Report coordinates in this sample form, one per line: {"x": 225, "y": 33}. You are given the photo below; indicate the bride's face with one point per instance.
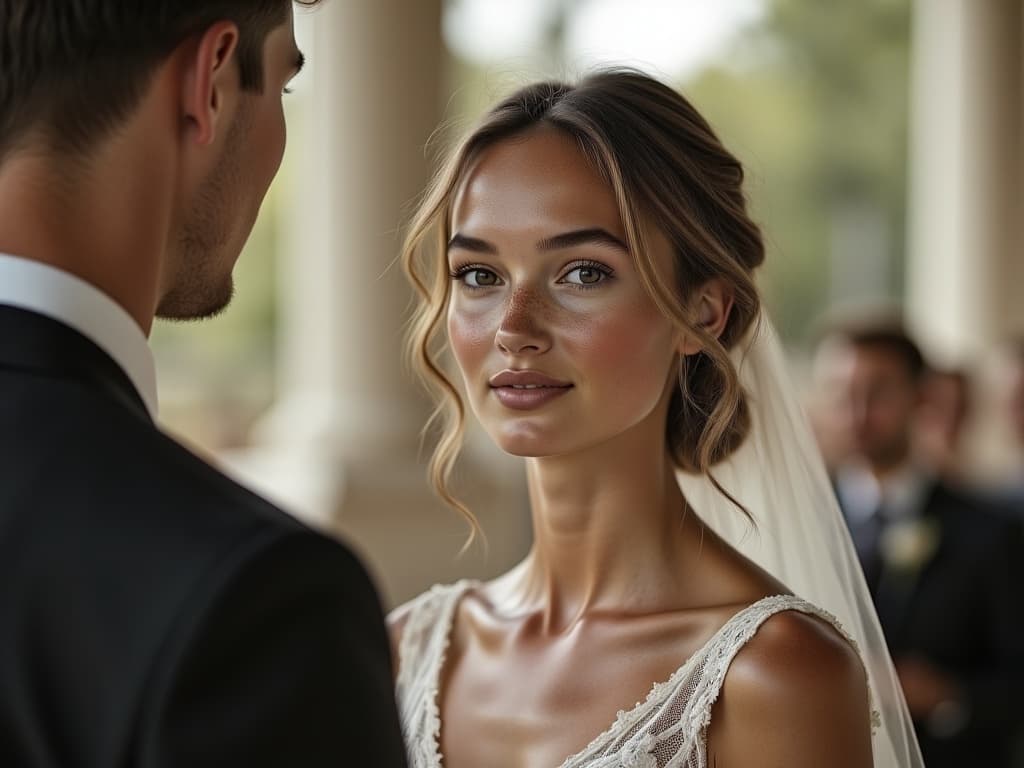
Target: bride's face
{"x": 559, "y": 344}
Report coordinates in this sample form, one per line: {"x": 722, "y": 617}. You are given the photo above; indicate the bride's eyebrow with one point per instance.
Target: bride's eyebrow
{"x": 589, "y": 236}
{"x": 474, "y": 244}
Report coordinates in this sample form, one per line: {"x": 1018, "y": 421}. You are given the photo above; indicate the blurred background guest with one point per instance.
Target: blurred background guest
{"x": 943, "y": 569}
{"x": 942, "y": 418}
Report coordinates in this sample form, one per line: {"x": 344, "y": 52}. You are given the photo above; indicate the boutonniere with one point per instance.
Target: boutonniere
{"x": 907, "y": 545}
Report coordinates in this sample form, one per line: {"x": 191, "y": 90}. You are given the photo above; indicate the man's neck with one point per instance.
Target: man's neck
{"x": 102, "y": 223}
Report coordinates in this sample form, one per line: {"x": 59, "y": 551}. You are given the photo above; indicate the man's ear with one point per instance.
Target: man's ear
{"x": 712, "y": 306}
{"x": 210, "y": 79}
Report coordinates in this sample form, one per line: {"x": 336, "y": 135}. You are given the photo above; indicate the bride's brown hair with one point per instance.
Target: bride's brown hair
{"x": 668, "y": 170}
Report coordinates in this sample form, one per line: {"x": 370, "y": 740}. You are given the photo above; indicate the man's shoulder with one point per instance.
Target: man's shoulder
{"x": 87, "y": 442}
{"x": 179, "y": 476}
{"x": 103, "y": 513}
{"x": 966, "y": 505}
{"x": 77, "y": 465}
{"x": 972, "y": 523}
{"x": 199, "y": 508}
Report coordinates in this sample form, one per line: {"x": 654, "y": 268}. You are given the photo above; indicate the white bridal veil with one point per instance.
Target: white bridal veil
{"x": 800, "y": 535}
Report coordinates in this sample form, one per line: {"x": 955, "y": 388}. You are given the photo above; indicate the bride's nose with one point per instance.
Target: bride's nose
{"x": 522, "y": 327}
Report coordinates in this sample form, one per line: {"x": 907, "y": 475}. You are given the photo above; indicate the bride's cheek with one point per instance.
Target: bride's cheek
{"x": 621, "y": 340}
{"x": 470, "y": 336}
{"x": 625, "y": 358}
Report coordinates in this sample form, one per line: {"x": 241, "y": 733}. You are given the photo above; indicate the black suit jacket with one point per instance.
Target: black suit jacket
{"x": 152, "y": 612}
{"x": 962, "y": 611}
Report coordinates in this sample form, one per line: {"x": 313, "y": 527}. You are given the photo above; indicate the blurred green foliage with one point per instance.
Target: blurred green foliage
{"x": 814, "y": 101}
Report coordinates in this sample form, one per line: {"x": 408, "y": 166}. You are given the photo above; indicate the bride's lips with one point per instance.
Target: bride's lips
{"x": 526, "y": 390}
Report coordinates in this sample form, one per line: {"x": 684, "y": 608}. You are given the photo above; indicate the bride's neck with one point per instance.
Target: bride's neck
{"x": 608, "y": 533}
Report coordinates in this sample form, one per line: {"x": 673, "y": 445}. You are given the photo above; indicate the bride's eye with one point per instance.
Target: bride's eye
{"x": 476, "y": 277}
{"x": 587, "y": 275}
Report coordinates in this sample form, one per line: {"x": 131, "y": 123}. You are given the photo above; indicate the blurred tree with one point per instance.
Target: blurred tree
{"x": 814, "y": 100}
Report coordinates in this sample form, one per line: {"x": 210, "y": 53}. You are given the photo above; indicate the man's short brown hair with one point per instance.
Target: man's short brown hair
{"x": 71, "y": 70}
{"x": 888, "y": 336}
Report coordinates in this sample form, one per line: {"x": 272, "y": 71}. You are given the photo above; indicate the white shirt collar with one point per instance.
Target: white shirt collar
{"x": 900, "y": 496}
{"x": 43, "y": 289}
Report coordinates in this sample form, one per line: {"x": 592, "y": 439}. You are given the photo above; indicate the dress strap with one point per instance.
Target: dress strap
{"x": 426, "y": 632}
{"x": 421, "y": 655}
{"x": 731, "y": 639}
{"x": 668, "y": 729}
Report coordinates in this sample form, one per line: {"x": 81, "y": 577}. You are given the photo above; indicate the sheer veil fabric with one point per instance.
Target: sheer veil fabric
{"x": 799, "y": 535}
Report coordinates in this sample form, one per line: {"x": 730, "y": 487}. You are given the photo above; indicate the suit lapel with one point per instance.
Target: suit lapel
{"x": 35, "y": 343}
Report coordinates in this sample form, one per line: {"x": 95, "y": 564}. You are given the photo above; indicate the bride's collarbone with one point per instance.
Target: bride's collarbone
{"x": 513, "y": 696}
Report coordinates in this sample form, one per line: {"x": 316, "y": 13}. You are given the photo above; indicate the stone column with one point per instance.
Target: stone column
{"x": 964, "y": 260}
{"x": 375, "y": 102}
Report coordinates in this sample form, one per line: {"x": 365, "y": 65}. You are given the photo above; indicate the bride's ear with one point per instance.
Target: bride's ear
{"x": 712, "y": 305}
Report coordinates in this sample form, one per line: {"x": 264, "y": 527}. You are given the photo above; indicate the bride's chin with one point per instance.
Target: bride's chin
{"x": 523, "y": 453}
{"x": 526, "y": 446}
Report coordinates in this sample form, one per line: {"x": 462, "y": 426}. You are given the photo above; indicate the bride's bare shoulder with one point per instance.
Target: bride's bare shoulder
{"x": 796, "y": 695}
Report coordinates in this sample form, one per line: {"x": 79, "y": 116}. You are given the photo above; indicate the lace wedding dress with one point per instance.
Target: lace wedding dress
{"x": 666, "y": 730}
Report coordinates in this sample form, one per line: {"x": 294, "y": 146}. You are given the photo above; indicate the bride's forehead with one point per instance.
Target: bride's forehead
{"x": 543, "y": 153}
{"x": 542, "y": 175}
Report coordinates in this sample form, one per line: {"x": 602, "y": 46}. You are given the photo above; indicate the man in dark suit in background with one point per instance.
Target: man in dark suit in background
{"x": 944, "y": 571}
{"x": 152, "y": 612}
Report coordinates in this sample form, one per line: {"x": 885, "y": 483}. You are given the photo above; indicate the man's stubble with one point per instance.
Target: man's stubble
{"x": 203, "y": 286}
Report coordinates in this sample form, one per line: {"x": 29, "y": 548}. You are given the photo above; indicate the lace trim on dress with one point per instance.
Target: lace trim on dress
{"x": 668, "y": 729}
{"x": 421, "y": 657}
